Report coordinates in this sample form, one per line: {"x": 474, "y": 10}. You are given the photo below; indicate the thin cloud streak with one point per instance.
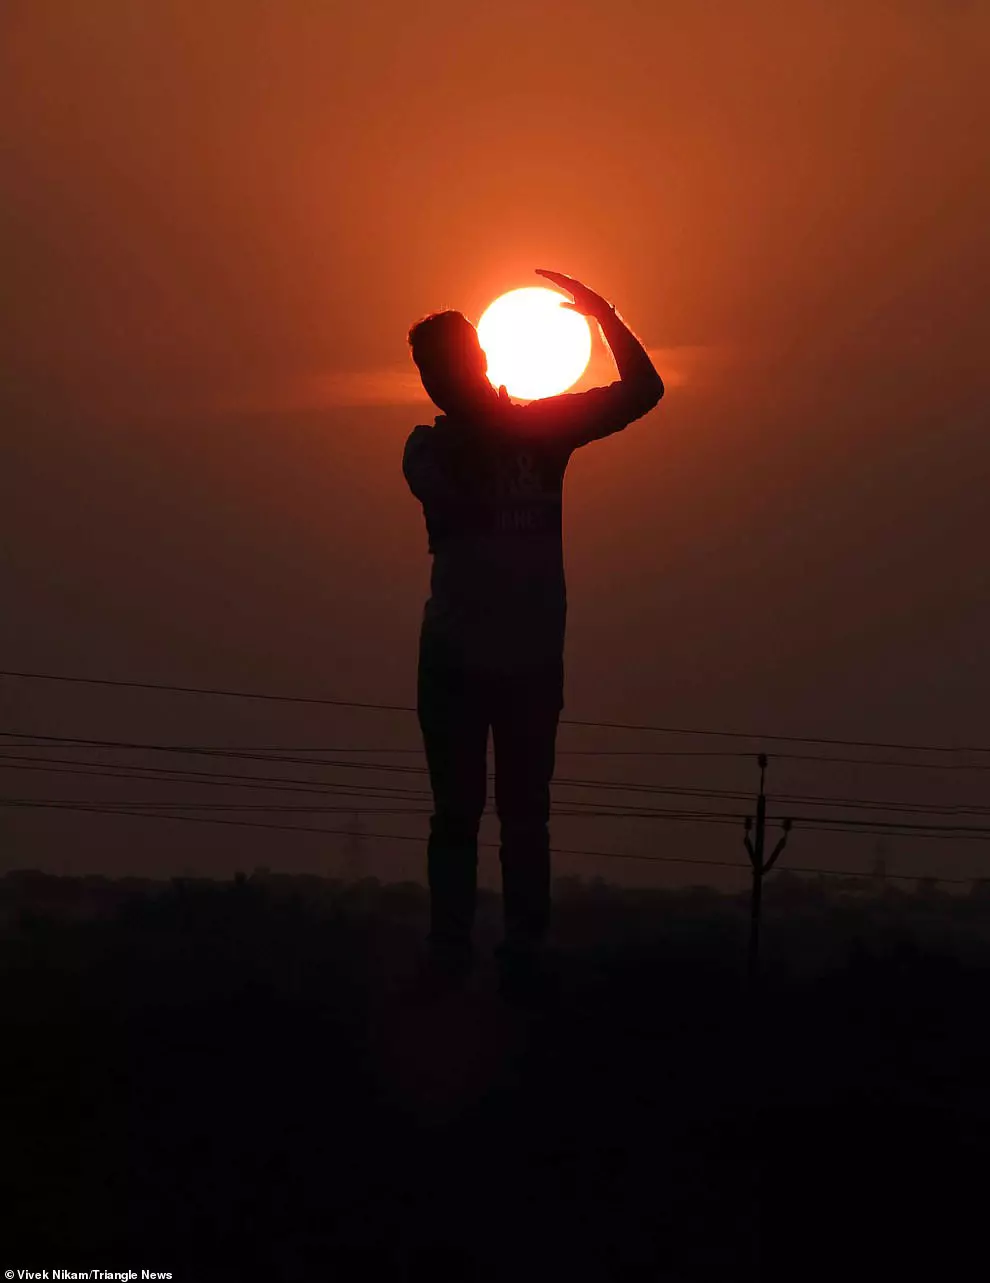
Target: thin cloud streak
{"x": 401, "y": 386}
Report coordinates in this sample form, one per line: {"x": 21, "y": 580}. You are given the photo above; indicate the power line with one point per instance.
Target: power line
{"x": 892, "y": 828}
{"x": 290, "y": 784}
{"x": 280, "y": 754}
{"x": 207, "y": 690}
{"x": 559, "y": 781}
{"x": 239, "y": 754}
{"x": 881, "y": 804}
{"x": 403, "y": 837}
{"x": 115, "y": 771}
{"x": 867, "y": 826}
{"x": 264, "y": 807}
{"x": 350, "y": 809}
{"x": 166, "y": 775}
{"x": 223, "y": 779}
{"x": 581, "y": 809}
{"x": 304, "y": 828}
{"x": 577, "y": 809}
{"x": 564, "y": 721}
{"x": 853, "y": 828}
{"x": 418, "y": 750}
{"x": 269, "y": 783}
{"x": 610, "y": 785}
{"x": 849, "y": 873}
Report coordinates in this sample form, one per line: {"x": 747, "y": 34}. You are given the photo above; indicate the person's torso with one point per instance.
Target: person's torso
{"x": 498, "y": 596}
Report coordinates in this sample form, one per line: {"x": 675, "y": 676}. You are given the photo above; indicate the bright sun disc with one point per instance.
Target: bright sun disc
{"x": 534, "y": 346}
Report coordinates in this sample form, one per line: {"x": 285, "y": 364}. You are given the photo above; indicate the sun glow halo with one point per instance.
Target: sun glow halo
{"x": 534, "y": 346}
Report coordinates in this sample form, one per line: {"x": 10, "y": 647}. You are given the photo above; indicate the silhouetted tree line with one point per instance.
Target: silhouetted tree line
{"x": 188, "y": 1079}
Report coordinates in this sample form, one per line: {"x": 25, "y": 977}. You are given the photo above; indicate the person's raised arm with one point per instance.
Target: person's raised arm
{"x": 579, "y": 417}
{"x": 636, "y": 371}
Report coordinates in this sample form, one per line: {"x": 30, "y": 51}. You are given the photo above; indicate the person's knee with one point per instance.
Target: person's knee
{"x": 456, "y": 826}
{"x": 526, "y": 823}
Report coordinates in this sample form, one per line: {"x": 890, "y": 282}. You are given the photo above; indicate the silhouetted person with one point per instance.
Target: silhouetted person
{"x": 489, "y": 474}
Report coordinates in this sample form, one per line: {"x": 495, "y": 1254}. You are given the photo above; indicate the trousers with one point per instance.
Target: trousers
{"x": 456, "y": 707}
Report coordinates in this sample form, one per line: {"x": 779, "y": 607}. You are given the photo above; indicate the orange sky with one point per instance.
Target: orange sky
{"x": 220, "y": 220}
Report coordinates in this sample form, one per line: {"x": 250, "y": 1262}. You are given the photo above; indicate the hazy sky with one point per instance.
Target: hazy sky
{"x": 220, "y": 219}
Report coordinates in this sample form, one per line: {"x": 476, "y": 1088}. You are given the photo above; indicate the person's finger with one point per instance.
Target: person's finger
{"x": 562, "y": 282}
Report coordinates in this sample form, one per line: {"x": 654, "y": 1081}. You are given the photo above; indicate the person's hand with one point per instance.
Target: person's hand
{"x": 586, "y": 301}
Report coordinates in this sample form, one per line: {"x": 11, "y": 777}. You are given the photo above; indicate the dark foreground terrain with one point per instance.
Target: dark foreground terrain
{"x": 242, "y": 1080}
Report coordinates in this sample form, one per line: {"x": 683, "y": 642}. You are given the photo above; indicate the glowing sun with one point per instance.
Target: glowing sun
{"x": 534, "y": 346}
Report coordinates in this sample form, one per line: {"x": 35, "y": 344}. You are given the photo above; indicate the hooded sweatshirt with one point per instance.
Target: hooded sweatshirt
{"x": 491, "y": 490}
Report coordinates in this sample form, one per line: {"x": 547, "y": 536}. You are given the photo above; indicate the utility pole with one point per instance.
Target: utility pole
{"x": 760, "y": 867}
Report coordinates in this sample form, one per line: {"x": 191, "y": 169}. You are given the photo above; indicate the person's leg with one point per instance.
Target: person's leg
{"x": 525, "y": 714}
{"x": 453, "y": 717}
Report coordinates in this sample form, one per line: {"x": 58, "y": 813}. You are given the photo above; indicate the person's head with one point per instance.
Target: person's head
{"x": 451, "y": 362}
